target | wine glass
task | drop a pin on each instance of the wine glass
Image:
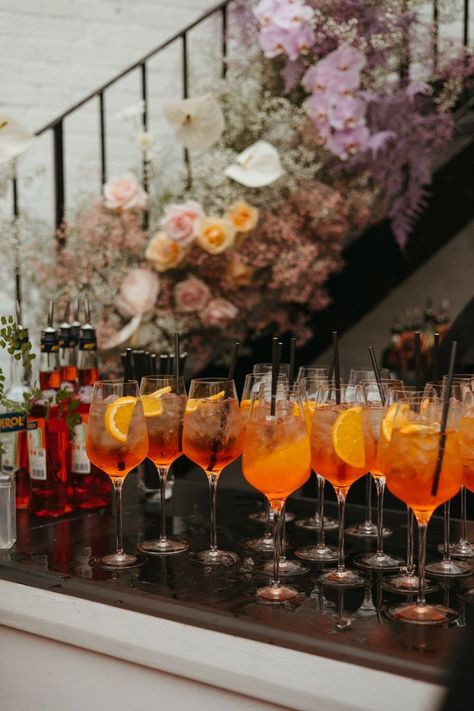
(276, 461)
(116, 442)
(367, 528)
(212, 438)
(252, 383)
(315, 372)
(417, 453)
(342, 448)
(266, 369)
(319, 552)
(164, 400)
(466, 444)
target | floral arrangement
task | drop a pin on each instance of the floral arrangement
(326, 123)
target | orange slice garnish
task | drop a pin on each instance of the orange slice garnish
(118, 417)
(152, 405)
(389, 418)
(348, 437)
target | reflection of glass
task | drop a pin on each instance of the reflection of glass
(410, 465)
(380, 422)
(366, 529)
(212, 437)
(276, 461)
(164, 400)
(342, 448)
(117, 441)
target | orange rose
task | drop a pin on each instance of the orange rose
(216, 235)
(243, 216)
(163, 252)
(238, 272)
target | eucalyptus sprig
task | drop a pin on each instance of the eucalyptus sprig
(15, 340)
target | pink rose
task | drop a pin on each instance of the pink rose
(138, 292)
(191, 295)
(181, 222)
(124, 193)
(218, 313)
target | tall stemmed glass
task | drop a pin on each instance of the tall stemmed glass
(366, 529)
(163, 399)
(417, 450)
(276, 461)
(342, 448)
(466, 444)
(117, 442)
(212, 438)
(252, 383)
(319, 552)
(312, 377)
(463, 387)
(374, 393)
(447, 567)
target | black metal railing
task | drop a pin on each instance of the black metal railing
(56, 126)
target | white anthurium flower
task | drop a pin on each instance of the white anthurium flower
(257, 166)
(125, 336)
(14, 139)
(198, 122)
(132, 111)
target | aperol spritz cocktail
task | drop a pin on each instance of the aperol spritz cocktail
(116, 442)
(276, 461)
(212, 438)
(164, 402)
(417, 453)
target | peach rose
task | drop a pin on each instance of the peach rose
(138, 292)
(218, 313)
(243, 216)
(124, 193)
(238, 272)
(163, 252)
(181, 222)
(216, 235)
(191, 295)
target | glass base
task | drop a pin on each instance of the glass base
(317, 554)
(342, 578)
(216, 557)
(117, 561)
(312, 523)
(462, 549)
(405, 584)
(163, 546)
(467, 596)
(372, 561)
(261, 517)
(260, 545)
(277, 594)
(415, 614)
(449, 569)
(288, 568)
(367, 529)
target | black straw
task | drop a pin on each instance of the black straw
(376, 370)
(233, 362)
(127, 369)
(292, 361)
(444, 419)
(152, 363)
(176, 356)
(435, 363)
(337, 372)
(276, 356)
(417, 363)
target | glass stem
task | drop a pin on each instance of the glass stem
(277, 510)
(422, 528)
(463, 514)
(283, 534)
(410, 542)
(380, 489)
(268, 522)
(213, 477)
(318, 499)
(321, 485)
(162, 475)
(341, 507)
(368, 498)
(447, 521)
(118, 482)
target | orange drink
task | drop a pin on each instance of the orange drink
(466, 443)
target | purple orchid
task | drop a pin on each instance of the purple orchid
(293, 15)
(272, 41)
(347, 113)
(345, 144)
(346, 59)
